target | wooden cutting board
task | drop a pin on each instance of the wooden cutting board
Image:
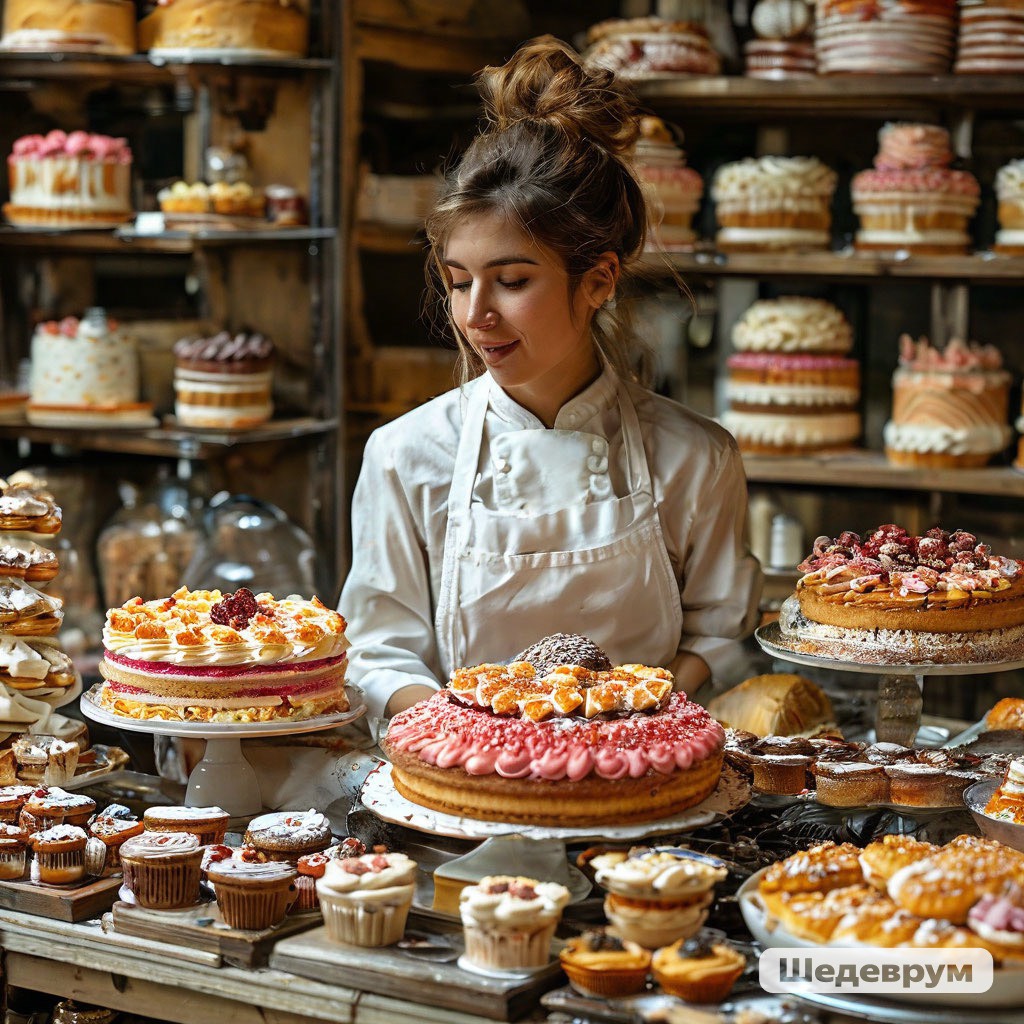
(61, 902)
(389, 971)
(202, 927)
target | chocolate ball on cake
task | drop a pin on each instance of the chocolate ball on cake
(564, 649)
(224, 381)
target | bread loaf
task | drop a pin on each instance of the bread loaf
(779, 704)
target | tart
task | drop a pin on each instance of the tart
(599, 964)
(697, 970)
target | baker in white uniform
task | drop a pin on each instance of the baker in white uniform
(550, 493)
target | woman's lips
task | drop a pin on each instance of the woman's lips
(494, 354)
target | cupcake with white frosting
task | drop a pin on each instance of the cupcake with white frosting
(509, 922)
(366, 900)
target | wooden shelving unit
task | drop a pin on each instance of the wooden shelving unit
(126, 240)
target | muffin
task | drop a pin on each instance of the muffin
(603, 965)
(310, 867)
(60, 854)
(657, 895)
(509, 922)
(697, 970)
(53, 806)
(850, 784)
(289, 835)
(113, 833)
(162, 869)
(207, 824)
(13, 841)
(252, 896)
(916, 785)
(365, 900)
(223, 382)
(12, 799)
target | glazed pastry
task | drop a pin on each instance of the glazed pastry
(12, 799)
(819, 869)
(288, 835)
(365, 900)
(599, 964)
(27, 560)
(207, 824)
(509, 922)
(697, 970)
(876, 923)
(29, 511)
(882, 859)
(1006, 714)
(25, 611)
(34, 663)
(53, 806)
(815, 915)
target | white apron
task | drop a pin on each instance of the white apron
(568, 556)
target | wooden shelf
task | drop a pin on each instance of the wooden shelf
(417, 51)
(389, 238)
(169, 441)
(142, 69)
(847, 94)
(867, 469)
(980, 267)
(125, 240)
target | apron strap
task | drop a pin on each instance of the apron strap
(638, 469)
(467, 458)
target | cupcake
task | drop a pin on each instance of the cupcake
(697, 970)
(60, 854)
(289, 835)
(509, 922)
(311, 867)
(850, 784)
(657, 895)
(53, 806)
(773, 203)
(1010, 193)
(13, 841)
(911, 199)
(365, 900)
(113, 833)
(12, 799)
(207, 824)
(162, 869)
(603, 965)
(252, 896)
(223, 382)
(673, 190)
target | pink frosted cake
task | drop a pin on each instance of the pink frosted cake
(912, 200)
(206, 657)
(76, 180)
(950, 408)
(570, 747)
(791, 388)
(673, 190)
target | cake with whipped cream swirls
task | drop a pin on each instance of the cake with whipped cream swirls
(896, 598)
(63, 26)
(912, 199)
(223, 381)
(773, 203)
(208, 657)
(571, 746)
(1010, 194)
(950, 407)
(673, 190)
(267, 28)
(791, 388)
(69, 180)
(85, 373)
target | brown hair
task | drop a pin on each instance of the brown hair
(550, 157)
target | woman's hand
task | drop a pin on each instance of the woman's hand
(406, 697)
(690, 670)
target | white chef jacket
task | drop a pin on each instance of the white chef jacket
(399, 519)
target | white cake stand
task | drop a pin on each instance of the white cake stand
(223, 778)
(900, 686)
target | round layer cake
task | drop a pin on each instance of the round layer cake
(255, 27)
(573, 747)
(201, 656)
(896, 598)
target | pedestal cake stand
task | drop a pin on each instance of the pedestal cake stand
(900, 686)
(223, 777)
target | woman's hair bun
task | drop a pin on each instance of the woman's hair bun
(547, 82)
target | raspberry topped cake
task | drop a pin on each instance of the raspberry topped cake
(208, 657)
(570, 746)
(895, 598)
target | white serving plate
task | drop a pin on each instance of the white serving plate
(1007, 989)
(380, 796)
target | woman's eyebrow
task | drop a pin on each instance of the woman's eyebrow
(501, 261)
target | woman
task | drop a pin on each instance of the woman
(551, 493)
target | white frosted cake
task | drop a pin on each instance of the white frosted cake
(85, 373)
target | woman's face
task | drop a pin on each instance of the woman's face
(510, 299)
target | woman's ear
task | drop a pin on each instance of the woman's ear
(600, 280)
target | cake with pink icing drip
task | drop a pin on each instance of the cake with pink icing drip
(69, 180)
(912, 200)
(573, 747)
